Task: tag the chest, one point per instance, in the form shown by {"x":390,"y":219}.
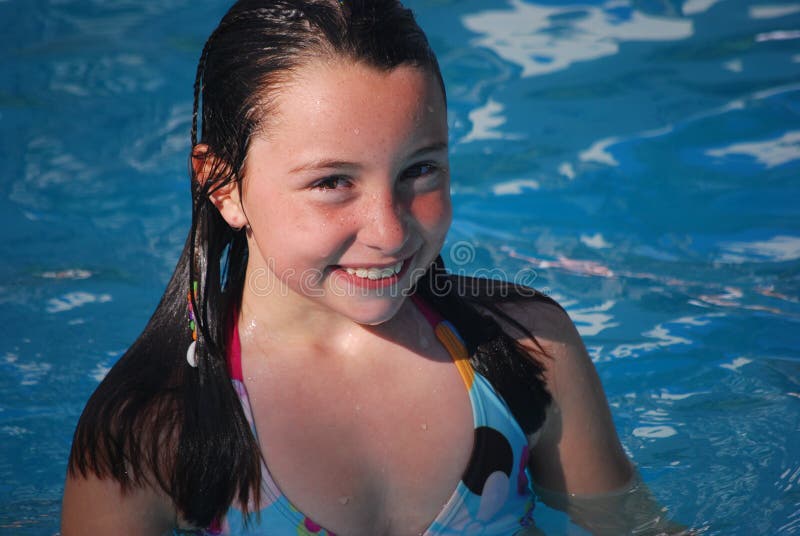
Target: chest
{"x":372,"y":446}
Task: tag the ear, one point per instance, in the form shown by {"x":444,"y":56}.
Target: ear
{"x":226,"y":198}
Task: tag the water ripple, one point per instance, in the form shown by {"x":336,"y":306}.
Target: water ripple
{"x":108,"y":75}
{"x":544,"y":39}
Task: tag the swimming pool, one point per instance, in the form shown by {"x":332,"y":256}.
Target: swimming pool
{"x":637,"y":160}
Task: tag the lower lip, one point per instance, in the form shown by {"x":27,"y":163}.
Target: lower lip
{"x":365,"y":282}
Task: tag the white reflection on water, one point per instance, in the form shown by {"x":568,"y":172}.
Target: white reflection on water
{"x":660,"y":338}
{"x":543,"y":39}
{"x":693,"y":7}
{"x":779,"y":248}
{"x":485,"y":122}
{"x":514,"y":187}
{"x":654,"y":432}
{"x":30,"y":369}
{"x":99,"y":372}
{"x":770,"y":153}
{"x":591,"y":320}
{"x":775,"y":152}
{"x":704,"y":293}
{"x":736,"y":364}
{"x":595,"y":241}
{"x":667,"y":395}
{"x":73,"y":300}
{"x":734,"y":66}
{"x":566,"y":170}
{"x":599,"y":152}
{"x":113,"y":74}
{"x":772,"y":11}
{"x":789,"y":478}
{"x":167,"y":142}
{"x":50,"y":168}
{"x":779,"y":35}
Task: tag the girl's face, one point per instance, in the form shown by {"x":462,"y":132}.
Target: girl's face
{"x":346,"y":190}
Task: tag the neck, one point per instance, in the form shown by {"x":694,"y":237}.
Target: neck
{"x":284,"y":317}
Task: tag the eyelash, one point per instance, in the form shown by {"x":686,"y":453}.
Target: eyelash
{"x":332,"y":182}
{"x":325,"y":184}
{"x":432,"y":169}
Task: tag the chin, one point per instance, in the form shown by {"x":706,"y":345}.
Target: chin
{"x":374,"y":314}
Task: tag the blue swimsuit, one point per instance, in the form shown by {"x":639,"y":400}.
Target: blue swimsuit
{"x":492,"y":498}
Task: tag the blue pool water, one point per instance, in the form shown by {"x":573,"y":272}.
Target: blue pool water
{"x":636,"y":159}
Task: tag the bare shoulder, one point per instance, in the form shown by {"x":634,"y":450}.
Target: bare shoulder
{"x":542,"y":317}
{"x":566,"y":360}
{"x":94,"y":505}
{"x":111,"y":487}
{"x":578,"y":450}
{"x":542,"y":326}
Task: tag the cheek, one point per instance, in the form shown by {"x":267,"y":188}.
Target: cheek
{"x":433,"y":212}
{"x":305,"y":234}
{"x":278,"y":227}
{"x":280,"y":216}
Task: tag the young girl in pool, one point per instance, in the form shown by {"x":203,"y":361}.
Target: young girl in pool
{"x":312,"y":368}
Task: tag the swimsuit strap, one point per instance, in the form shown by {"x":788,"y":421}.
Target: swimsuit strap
{"x":492,"y":495}
{"x":431,"y":315}
{"x":444,"y":330}
{"x":450,"y":339}
{"x":234,"y":347}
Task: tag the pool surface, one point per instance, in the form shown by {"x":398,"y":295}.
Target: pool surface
{"x":637,"y":160}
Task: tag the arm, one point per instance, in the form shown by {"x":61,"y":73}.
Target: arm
{"x":92,"y":505}
{"x":577,"y":450}
{"x":577,"y":462}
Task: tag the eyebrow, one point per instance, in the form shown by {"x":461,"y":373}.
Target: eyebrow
{"x":338,"y":164}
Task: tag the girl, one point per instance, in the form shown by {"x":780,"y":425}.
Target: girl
{"x":312,"y":368}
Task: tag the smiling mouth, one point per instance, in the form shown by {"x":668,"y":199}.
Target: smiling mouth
{"x":375,"y":274}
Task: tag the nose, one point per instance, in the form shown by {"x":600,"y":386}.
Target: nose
{"x":384,"y":226}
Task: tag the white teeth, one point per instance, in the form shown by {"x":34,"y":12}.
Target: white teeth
{"x":375,"y":273}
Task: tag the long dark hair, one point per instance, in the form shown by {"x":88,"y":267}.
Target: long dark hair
{"x":155,"y":420}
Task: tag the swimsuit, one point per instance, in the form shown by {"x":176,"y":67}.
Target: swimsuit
{"x":492,"y":498}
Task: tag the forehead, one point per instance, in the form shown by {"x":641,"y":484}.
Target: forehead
{"x":336,"y":94}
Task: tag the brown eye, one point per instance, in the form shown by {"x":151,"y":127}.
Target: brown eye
{"x":331,"y":183}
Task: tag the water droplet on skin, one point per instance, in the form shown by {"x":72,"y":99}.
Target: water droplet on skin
{"x":356,"y":131}
{"x":424,"y":426}
{"x":344,"y":500}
